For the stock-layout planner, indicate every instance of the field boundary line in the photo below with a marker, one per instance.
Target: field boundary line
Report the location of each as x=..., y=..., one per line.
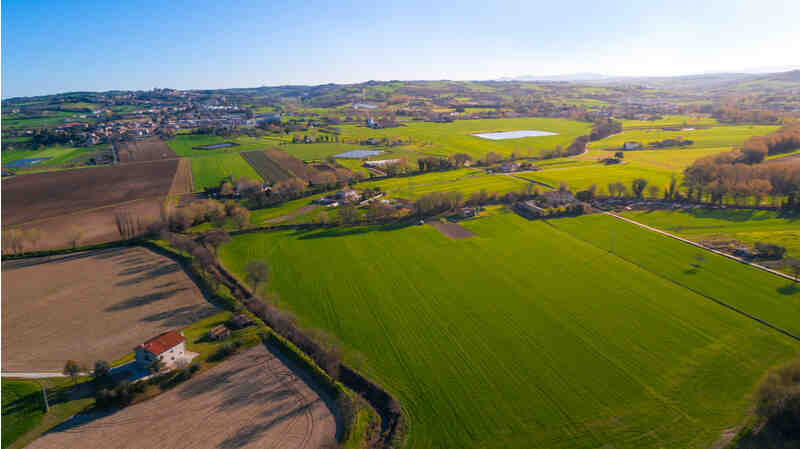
x=699, y=293
x=721, y=253
x=83, y=211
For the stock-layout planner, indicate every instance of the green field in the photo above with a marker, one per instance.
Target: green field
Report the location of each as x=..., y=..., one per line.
x=533, y=335
x=669, y=120
x=183, y=144
x=318, y=151
x=463, y=180
x=674, y=160
x=581, y=177
x=60, y=155
x=50, y=120
x=208, y=171
x=23, y=408
x=449, y=138
x=746, y=226
x=719, y=136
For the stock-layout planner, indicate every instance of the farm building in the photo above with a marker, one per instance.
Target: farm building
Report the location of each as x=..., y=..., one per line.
x=219, y=333
x=381, y=163
x=168, y=347
x=631, y=146
x=558, y=198
x=241, y=320
x=347, y=195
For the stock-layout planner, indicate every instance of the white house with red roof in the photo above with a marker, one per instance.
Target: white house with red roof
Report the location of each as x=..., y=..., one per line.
x=169, y=347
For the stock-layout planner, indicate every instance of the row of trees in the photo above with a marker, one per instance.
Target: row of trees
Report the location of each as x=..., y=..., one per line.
x=728, y=175
x=732, y=114
x=785, y=140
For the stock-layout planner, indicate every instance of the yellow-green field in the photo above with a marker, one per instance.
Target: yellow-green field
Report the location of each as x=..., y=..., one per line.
x=718, y=136
x=456, y=137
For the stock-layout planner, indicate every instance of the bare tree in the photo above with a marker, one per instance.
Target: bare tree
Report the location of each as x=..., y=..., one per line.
x=14, y=240
x=240, y=217
x=348, y=214
x=215, y=238
x=74, y=236
x=257, y=272
x=204, y=258
x=72, y=369
x=653, y=190
x=33, y=236
x=794, y=267
x=129, y=225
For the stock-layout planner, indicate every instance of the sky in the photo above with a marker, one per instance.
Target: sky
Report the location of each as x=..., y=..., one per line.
x=60, y=46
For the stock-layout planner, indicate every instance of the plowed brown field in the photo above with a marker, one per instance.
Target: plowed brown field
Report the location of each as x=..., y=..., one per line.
x=91, y=305
x=85, y=201
x=253, y=400
x=152, y=149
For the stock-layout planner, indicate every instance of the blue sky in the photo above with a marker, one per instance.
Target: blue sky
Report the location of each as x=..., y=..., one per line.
x=58, y=46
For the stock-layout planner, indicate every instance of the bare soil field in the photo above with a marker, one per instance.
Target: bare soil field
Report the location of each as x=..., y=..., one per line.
x=452, y=230
x=268, y=169
x=91, y=305
x=152, y=149
x=291, y=164
x=253, y=400
x=46, y=195
x=183, y=181
x=89, y=227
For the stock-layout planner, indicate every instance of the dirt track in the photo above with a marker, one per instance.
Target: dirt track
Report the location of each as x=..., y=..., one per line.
x=452, y=230
x=90, y=306
x=253, y=400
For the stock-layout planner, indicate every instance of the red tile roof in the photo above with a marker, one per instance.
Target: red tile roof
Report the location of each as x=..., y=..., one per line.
x=163, y=342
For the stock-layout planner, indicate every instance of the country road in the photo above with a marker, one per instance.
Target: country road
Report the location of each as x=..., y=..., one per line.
x=650, y=228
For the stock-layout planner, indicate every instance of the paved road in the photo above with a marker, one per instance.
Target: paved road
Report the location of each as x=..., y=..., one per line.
x=760, y=267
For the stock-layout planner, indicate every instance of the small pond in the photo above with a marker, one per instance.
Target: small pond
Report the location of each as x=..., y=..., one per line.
x=514, y=134
x=19, y=163
x=216, y=146
x=358, y=154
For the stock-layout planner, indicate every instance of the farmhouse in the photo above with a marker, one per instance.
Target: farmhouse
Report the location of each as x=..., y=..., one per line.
x=631, y=146
x=168, y=347
x=381, y=163
x=558, y=198
x=348, y=195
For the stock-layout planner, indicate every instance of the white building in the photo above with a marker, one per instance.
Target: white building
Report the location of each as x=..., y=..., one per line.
x=168, y=347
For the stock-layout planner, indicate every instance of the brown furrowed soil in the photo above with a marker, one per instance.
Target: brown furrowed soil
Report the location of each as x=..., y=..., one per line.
x=45, y=195
x=452, y=230
x=91, y=305
x=253, y=400
x=89, y=226
x=183, y=181
x=152, y=149
x=291, y=164
x=269, y=170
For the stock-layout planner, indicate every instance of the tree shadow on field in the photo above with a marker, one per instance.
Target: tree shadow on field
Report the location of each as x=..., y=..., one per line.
x=23, y=263
x=789, y=289
x=736, y=215
x=147, y=273
x=138, y=301
x=248, y=434
x=307, y=234
x=181, y=316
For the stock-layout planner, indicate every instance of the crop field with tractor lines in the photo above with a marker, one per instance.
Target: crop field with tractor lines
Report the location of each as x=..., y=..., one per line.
x=483, y=356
